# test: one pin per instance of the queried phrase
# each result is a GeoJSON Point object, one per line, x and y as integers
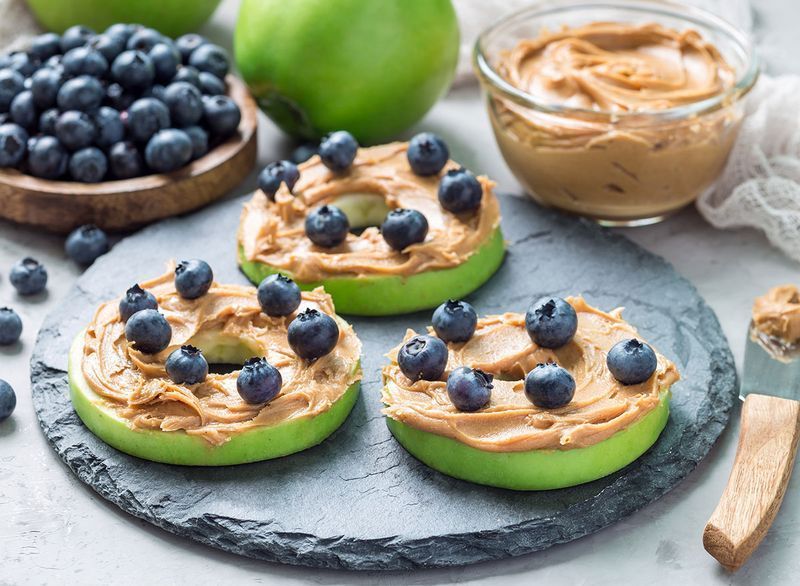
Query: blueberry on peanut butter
{"type": "Point", "coordinates": [271, 177]}
{"type": "Point", "coordinates": [258, 381]}
{"type": "Point", "coordinates": [423, 358]}
{"type": "Point", "coordinates": [313, 334]}
{"type": "Point", "coordinates": [148, 331]}
{"type": "Point", "coordinates": [631, 361]}
{"type": "Point", "coordinates": [193, 278]}
{"type": "Point", "coordinates": [460, 191]}
{"type": "Point", "coordinates": [549, 386]}
{"type": "Point", "coordinates": [427, 154]}
{"type": "Point", "coordinates": [327, 226]}
{"type": "Point", "coordinates": [551, 322]}
{"type": "Point", "coordinates": [469, 389]}
{"type": "Point", "coordinates": [454, 321]}
{"type": "Point", "coordinates": [338, 150]}
{"type": "Point", "coordinates": [136, 299]}
{"type": "Point", "coordinates": [187, 365]}
{"type": "Point", "coordinates": [278, 296]}
{"type": "Point", "coordinates": [404, 227]}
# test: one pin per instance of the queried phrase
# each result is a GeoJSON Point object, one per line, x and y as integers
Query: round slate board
{"type": "Point", "coordinates": [358, 500]}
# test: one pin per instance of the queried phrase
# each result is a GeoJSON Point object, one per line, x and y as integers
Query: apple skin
{"type": "Point", "coordinates": [371, 67]}
{"type": "Point", "coordinates": [393, 295]}
{"type": "Point", "coordinates": [535, 469]}
{"type": "Point", "coordinates": [177, 447]}
{"type": "Point", "coordinates": [171, 17]}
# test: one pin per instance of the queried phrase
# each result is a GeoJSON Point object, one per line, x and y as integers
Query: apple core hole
{"type": "Point", "coordinates": [224, 353]}
{"type": "Point", "coordinates": [363, 210]}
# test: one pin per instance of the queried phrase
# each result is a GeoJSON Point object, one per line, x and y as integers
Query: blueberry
{"type": "Point", "coordinates": [148, 331]}
{"type": "Point", "coordinates": [8, 400]}
{"type": "Point", "coordinates": [88, 165]}
{"type": "Point", "coordinates": [22, 62]}
{"type": "Point", "coordinates": [403, 227]}
{"type": "Point", "coordinates": [271, 177]}
{"type": "Point", "coordinates": [117, 97]}
{"type": "Point", "coordinates": [166, 60]}
{"type": "Point", "coordinates": [146, 116]}
{"type": "Point", "coordinates": [312, 334]}
{"type": "Point", "coordinates": [82, 93]}
{"type": "Point", "coordinates": [631, 362]}
{"type": "Point", "coordinates": [28, 276]}
{"type": "Point", "coordinates": [84, 61]}
{"type": "Point", "coordinates": [258, 381]}
{"type": "Point", "coordinates": [47, 121]}
{"type": "Point", "coordinates": [110, 129]}
{"type": "Point", "coordinates": [186, 44]}
{"type": "Point", "coordinates": [11, 83]}
{"type": "Point", "coordinates": [108, 46]}
{"type": "Point", "coordinates": [551, 322]}
{"type": "Point", "coordinates": [45, 84]}
{"type": "Point", "coordinates": [210, 58]}
{"type": "Point", "coordinates": [221, 115]}
{"type": "Point", "coordinates": [10, 326]}
{"type": "Point", "coordinates": [469, 389]}
{"type": "Point", "coordinates": [187, 366]}
{"type": "Point", "coordinates": [338, 150]}
{"type": "Point", "coordinates": [85, 244]}
{"type": "Point", "coordinates": [136, 299]}
{"type": "Point", "coordinates": [122, 31]}
{"type": "Point", "coordinates": [427, 154]}
{"type": "Point", "coordinates": [145, 39]}
{"type": "Point", "coordinates": [460, 191]}
{"type": "Point", "coordinates": [211, 85]}
{"type": "Point", "coordinates": [44, 46]}
{"type": "Point", "coordinates": [54, 62]}
{"type": "Point", "coordinates": [327, 226]}
{"type": "Point", "coordinates": [13, 144]}
{"type": "Point", "coordinates": [185, 103]}
{"type": "Point", "coordinates": [125, 160]}
{"type": "Point", "coordinates": [278, 296]}
{"type": "Point", "coordinates": [75, 36]}
{"type": "Point", "coordinates": [47, 158]}
{"type": "Point", "coordinates": [423, 357]}
{"type": "Point", "coordinates": [193, 278]}
{"type": "Point", "coordinates": [133, 70]}
{"type": "Point", "coordinates": [199, 138]}
{"type": "Point", "coordinates": [154, 91]}
{"type": "Point", "coordinates": [303, 153]}
{"type": "Point", "coordinates": [168, 150]}
{"type": "Point", "coordinates": [75, 129]}
{"type": "Point", "coordinates": [23, 110]}
{"type": "Point", "coordinates": [455, 321]}
{"type": "Point", "coordinates": [549, 386]}
{"type": "Point", "coordinates": [189, 75]}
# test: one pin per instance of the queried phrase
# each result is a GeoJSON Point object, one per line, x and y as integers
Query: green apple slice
{"type": "Point", "coordinates": [178, 447]}
{"type": "Point", "coordinates": [534, 469]}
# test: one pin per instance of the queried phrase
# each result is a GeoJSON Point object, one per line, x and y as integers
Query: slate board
{"type": "Point", "coordinates": [358, 500]}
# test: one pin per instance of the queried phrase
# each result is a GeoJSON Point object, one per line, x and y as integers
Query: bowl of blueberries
{"type": "Point", "coordinates": [119, 128]}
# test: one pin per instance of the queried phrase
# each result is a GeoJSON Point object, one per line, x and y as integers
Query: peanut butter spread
{"type": "Point", "coordinates": [501, 346]}
{"type": "Point", "coordinates": [136, 387]}
{"type": "Point", "coordinates": [777, 314]}
{"type": "Point", "coordinates": [273, 233]}
{"type": "Point", "coordinates": [632, 163]}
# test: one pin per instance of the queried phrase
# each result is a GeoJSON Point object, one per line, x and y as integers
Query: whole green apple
{"type": "Point", "coordinates": [372, 67]}
{"type": "Point", "coordinates": [171, 17]}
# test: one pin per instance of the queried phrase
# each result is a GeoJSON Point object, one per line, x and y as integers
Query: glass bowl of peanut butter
{"type": "Point", "coordinates": [624, 112]}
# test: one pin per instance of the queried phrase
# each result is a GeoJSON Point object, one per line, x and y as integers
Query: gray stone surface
{"type": "Point", "coordinates": [359, 501]}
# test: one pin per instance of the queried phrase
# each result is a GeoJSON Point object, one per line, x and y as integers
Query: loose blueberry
{"type": "Point", "coordinates": [28, 276]}
{"type": "Point", "coordinates": [146, 116]}
{"type": "Point", "coordinates": [187, 366]}
{"type": "Point", "coordinates": [110, 128]}
{"type": "Point", "coordinates": [258, 381]}
{"type": "Point", "coordinates": [145, 39]}
{"type": "Point", "coordinates": [75, 130]}
{"type": "Point", "coordinates": [23, 110]}
{"type": "Point", "coordinates": [8, 400]}
{"type": "Point", "coordinates": [469, 389]}
{"type": "Point", "coordinates": [122, 31]}
{"type": "Point", "coordinates": [168, 150]}
{"type": "Point", "coordinates": [125, 160]}
{"type": "Point", "coordinates": [210, 58]}
{"type": "Point", "coordinates": [271, 177]}
{"type": "Point", "coordinates": [10, 326]}
{"type": "Point", "coordinates": [185, 103]}
{"type": "Point", "coordinates": [551, 322]}
{"type": "Point", "coordinates": [88, 165]}
{"type": "Point", "coordinates": [136, 299]}
{"type": "Point", "coordinates": [133, 70]}
{"type": "Point", "coordinates": [455, 321]}
{"type": "Point", "coordinates": [278, 296]}
{"type": "Point", "coordinates": [460, 191]}
{"type": "Point", "coordinates": [199, 138]}
{"type": "Point", "coordinates": [427, 154]}
{"type": "Point", "coordinates": [166, 59]}
{"type": "Point", "coordinates": [13, 144]}
{"type": "Point", "coordinates": [313, 334]}
{"type": "Point", "coordinates": [108, 46]}
{"type": "Point", "coordinates": [303, 153]}
{"type": "Point", "coordinates": [75, 36]}
{"type": "Point", "coordinates": [84, 61]}
{"type": "Point", "coordinates": [47, 158]}
{"type": "Point", "coordinates": [193, 278]}
{"type": "Point", "coordinates": [148, 331]}
{"type": "Point", "coordinates": [45, 84]}
{"type": "Point", "coordinates": [338, 150]}
{"type": "Point", "coordinates": [85, 244]}
{"type": "Point", "coordinates": [327, 226]}
{"type": "Point", "coordinates": [21, 62]}
{"type": "Point", "coordinates": [118, 97]}
{"type": "Point", "coordinates": [211, 85]}
{"type": "Point", "coordinates": [403, 227]}
{"type": "Point", "coordinates": [549, 386]}
{"type": "Point", "coordinates": [11, 83]}
{"type": "Point", "coordinates": [186, 44]}
{"type": "Point", "coordinates": [423, 357]}
{"type": "Point", "coordinates": [82, 93]}
{"type": "Point", "coordinates": [47, 121]}
{"type": "Point", "coordinates": [44, 46]}
{"type": "Point", "coordinates": [189, 75]}
{"type": "Point", "coordinates": [221, 115]}
{"type": "Point", "coordinates": [631, 362]}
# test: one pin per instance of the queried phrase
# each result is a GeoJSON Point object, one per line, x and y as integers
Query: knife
{"type": "Point", "coordinates": [770, 428]}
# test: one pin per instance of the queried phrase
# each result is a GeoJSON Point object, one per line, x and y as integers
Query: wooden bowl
{"type": "Point", "coordinates": [61, 206]}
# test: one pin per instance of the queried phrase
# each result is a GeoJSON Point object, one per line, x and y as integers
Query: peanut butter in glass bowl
{"type": "Point", "coordinates": [623, 112]}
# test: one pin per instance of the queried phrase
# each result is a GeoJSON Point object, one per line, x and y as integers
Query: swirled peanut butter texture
{"type": "Point", "coordinates": [501, 346]}
{"type": "Point", "coordinates": [136, 387]}
{"type": "Point", "coordinates": [273, 233]}
{"type": "Point", "coordinates": [777, 314]}
{"type": "Point", "coordinates": [629, 165]}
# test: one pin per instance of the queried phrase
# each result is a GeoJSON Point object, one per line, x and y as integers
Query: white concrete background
{"type": "Point", "coordinates": [54, 530]}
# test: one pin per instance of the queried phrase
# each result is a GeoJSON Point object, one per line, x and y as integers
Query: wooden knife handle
{"type": "Point", "coordinates": [761, 470]}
